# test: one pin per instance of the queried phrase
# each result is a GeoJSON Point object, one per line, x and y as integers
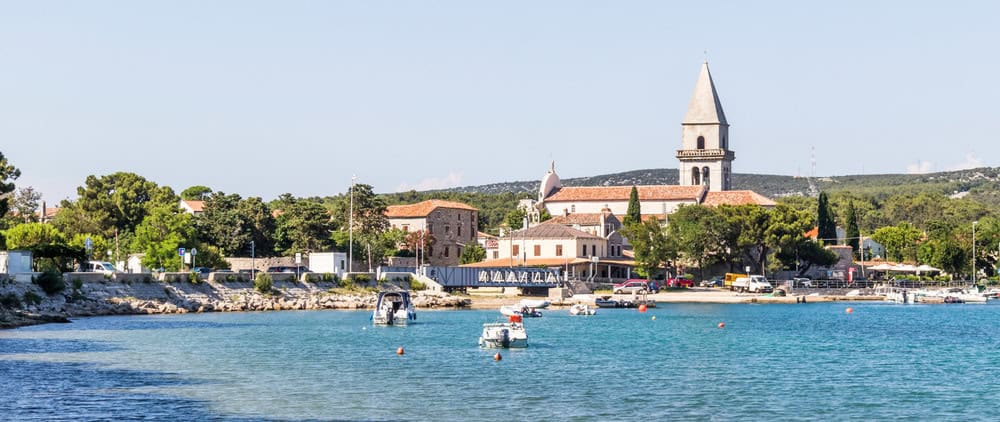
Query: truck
{"type": "Point", "coordinates": [753, 284]}
{"type": "Point", "coordinates": [730, 278]}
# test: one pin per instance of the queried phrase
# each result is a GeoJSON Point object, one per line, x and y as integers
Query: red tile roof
{"type": "Point", "coordinates": [552, 231]}
{"type": "Point", "coordinates": [196, 206]}
{"type": "Point", "coordinates": [423, 209]}
{"type": "Point", "coordinates": [583, 219]}
{"type": "Point", "coordinates": [737, 197]}
{"type": "Point", "coordinates": [621, 193]}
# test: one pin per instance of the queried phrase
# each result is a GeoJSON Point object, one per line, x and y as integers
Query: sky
{"type": "Point", "coordinates": [262, 98]}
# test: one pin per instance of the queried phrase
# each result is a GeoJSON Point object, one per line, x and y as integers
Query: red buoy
{"type": "Point", "coordinates": [849, 310]}
{"type": "Point", "coordinates": [399, 351]}
{"type": "Point", "coordinates": [722, 325]}
{"type": "Point", "coordinates": [497, 356]}
{"type": "Point", "coordinates": [642, 308]}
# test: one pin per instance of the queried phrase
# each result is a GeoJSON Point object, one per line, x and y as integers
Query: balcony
{"type": "Point", "coordinates": [705, 154]}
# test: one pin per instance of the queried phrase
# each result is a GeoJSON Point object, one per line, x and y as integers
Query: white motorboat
{"type": "Point", "coordinates": [581, 309]}
{"type": "Point", "coordinates": [960, 295]}
{"type": "Point", "coordinates": [896, 295]}
{"type": "Point", "coordinates": [393, 308]}
{"type": "Point", "coordinates": [522, 311]}
{"type": "Point", "coordinates": [505, 335]}
{"type": "Point", "coordinates": [535, 303]}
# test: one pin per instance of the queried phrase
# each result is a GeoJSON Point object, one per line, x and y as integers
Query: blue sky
{"type": "Point", "coordinates": [261, 98]}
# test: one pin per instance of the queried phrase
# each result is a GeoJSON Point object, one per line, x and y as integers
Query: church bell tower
{"type": "Point", "coordinates": [705, 158]}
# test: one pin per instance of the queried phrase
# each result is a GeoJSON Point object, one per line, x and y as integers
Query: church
{"type": "Point", "coordinates": [705, 170]}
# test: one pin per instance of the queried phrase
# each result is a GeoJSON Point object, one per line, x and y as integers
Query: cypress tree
{"type": "Point", "coordinates": [853, 232]}
{"type": "Point", "coordinates": [824, 221]}
{"type": "Point", "coordinates": [634, 213]}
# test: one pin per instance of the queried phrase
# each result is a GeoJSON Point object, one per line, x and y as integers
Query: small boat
{"type": "Point", "coordinates": [505, 335]}
{"type": "Point", "coordinates": [581, 309]}
{"type": "Point", "coordinates": [607, 302]}
{"type": "Point", "coordinates": [522, 311]}
{"type": "Point", "coordinates": [393, 308]}
{"type": "Point", "coordinates": [535, 303]}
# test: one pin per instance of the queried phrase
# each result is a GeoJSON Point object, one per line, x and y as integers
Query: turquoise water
{"type": "Point", "coordinates": [811, 361]}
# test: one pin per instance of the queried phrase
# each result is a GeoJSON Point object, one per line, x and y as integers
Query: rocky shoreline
{"type": "Point", "coordinates": [24, 303]}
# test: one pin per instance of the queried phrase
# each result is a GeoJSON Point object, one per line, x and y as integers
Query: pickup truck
{"type": "Point", "coordinates": [753, 284]}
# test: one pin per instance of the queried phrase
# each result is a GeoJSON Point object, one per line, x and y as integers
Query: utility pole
{"type": "Point", "coordinates": [974, 252]}
{"type": "Point", "coordinates": [350, 231]}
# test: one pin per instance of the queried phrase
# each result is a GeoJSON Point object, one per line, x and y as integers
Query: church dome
{"type": "Point", "coordinates": [550, 182]}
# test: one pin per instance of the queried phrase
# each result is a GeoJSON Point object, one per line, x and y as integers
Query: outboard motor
{"type": "Point", "coordinates": [505, 338]}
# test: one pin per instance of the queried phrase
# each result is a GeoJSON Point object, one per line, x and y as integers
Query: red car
{"type": "Point", "coordinates": [680, 282]}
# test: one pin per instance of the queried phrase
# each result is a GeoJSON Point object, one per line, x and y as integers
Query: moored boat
{"type": "Point", "coordinates": [510, 334]}
{"type": "Point", "coordinates": [523, 311]}
{"type": "Point", "coordinates": [394, 308]}
{"type": "Point", "coordinates": [606, 302]}
{"type": "Point", "coordinates": [581, 309]}
{"type": "Point", "coordinates": [535, 303]}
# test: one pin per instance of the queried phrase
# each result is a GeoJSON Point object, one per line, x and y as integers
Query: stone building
{"type": "Point", "coordinates": [452, 225]}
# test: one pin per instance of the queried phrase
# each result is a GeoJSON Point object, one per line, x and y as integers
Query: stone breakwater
{"type": "Point", "coordinates": [25, 303]}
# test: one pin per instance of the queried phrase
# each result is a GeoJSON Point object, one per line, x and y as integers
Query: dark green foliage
{"type": "Point", "coordinates": [634, 212]}
{"type": "Point", "coordinates": [51, 282]}
{"type": "Point", "coordinates": [10, 301]}
{"type": "Point", "coordinates": [472, 253]}
{"type": "Point", "coordinates": [651, 246]}
{"type": "Point", "coordinates": [115, 203]}
{"type": "Point", "coordinates": [30, 298]}
{"type": "Point", "coordinates": [825, 221]}
{"type": "Point", "coordinates": [8, 174]}
{"type": "Point", "coordinates": [230, 222]}
{"type": "Point", "coordinates": [196, 193]}
{"type": "Point", "coordinates": [515, 219]}
{"type": "Point", "coordinates": [77, 284]}
{"type": "Point", "coordinates": [263, 282]}
{"type": "Point", "coordinates": [852, 232]}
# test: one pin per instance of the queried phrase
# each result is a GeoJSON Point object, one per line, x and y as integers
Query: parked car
{"type": "Point", "coordinates": [288, 269]}
{"type": "Point", "coordinates": [632, 286]}
{"type": "Point", "coordinates": [103, 267]}
{"type": "Point", "coordinates": [802, 282]}
{"type": "Point", "coordinates": [680, 282]}
{"type": "Point", "coordinates": [201, 270]}
{"type": "Point", "coordinates": [717, 281]}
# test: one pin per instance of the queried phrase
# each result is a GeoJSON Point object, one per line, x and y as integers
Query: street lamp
{"type": "Point", "coordinates": [974, 252]}
{"type": "Point", "coordinates": [350, 231]}
{"type": "Point", "coordinates": [253, 267]}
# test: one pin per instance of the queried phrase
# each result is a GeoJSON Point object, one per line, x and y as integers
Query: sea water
{"type": "Point", "coordinates": [769, 362]}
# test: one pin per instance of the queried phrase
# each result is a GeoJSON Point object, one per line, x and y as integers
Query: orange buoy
{"type": "Point", "coordinates": [642, 308]}
{"type": "Point", "coordinates": [722, 325]}
{"type": "Point", "coordinates": [497, 356]}
{"type": "Point", "coordinates": [399, 351]}
{"type": "Point", "coordinates": [849, 310]}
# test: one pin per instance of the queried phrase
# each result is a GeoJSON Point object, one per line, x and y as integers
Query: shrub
{"type": "Point", "coordinates": [263, 283]}
{"type": "Point", "coordinates": [51, 282]}
{"type": "Point", "coordinates": [31, 298]}
{"type": "Point", "coordinates": [329, 277]}
{"type": "Point", "coordinates": [147, 279]}
{"type": "Point", "coordinates": [347, 283]}
{"type": "Point", "coordinates": [230, 277]}
{"type": "Point", "coordinates": [10, 300]}
{"type": "Point", "coordinates": [77, 284]}
{"type": "Point", "coordinates": [194, 277]}
{"type": "Point", "coordinates": [417, 285]}
{"type": "Point", "coordinates": [360, 278]}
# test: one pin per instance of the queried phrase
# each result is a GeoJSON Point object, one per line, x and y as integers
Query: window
{"type": "Point", "coordinates": [724, 145]}
{"type": "Point", "coordinates": [701, 142]}
{"type": "Point", "coordinates": [447, 229]}
{"type": "Point", "coordinates": [430, 228]}
{"type": "Point", "coordinates": [517, 250]}
{"type": "Point", "coordinates": [572, 208]}
{"type": "Point", "coordinates": [459, 230]}
{"type": "Point", "coordinates": [496, 255]}
{"type": "Point", "coordinates": [446, 250]}
{"type": "Point", "coordinates": [538, 250]}
{"type": "Point", "coordinates": [695, 177]}
{"type": "Point", "coordinates": [406, 228]}
{"type": "Point", "coordinates": [704, 175]}
{"type": "Point", "coordinates": [593, 250]}
{"type": "Point", "coordinates": [558, 250]}
{"type": "Point", "coordinates": [584, 253]}
{"type": "Point", "coordinates": [458, 251]}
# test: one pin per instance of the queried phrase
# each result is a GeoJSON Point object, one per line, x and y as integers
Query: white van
{"type": "Point", "coordinates": [99, 267]}
{"type": "Point", "coordinates": [754, 284]}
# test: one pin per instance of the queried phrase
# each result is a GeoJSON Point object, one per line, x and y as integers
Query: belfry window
{"type": "Point", "coordinates": [695, 177]}
{"type": "Point", "coordinates": [704, 176]}
{"type": "Point", "coordinates": [701, 142]}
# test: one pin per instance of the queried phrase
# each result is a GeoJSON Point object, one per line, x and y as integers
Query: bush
{"type": "Point", "coordinates": [417, 285]}
{"type": "Point", "coordinates": [263, 283]}
{"type": "Point", "coordinates": [360, 278]}
{"type": "Point", "coordinates": [31, 298]}
{"type": "Point", "coordinates": [230, 277]}
{"type": "Point", "coordinates": [51, 282]}
{"type": "Point", "coordinates": [77, 284]}
{"type": "Point", "coordinates": [347, 283]}
{"type": "Point", "coordinates": [194, 277]}
{"type": "Point", "coordinates": [10, 300]}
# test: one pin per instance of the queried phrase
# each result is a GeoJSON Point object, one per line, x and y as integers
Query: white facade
{"type": "Point", "coordinates": [535, 248]}
{"type": "Point", "coordinates": [328, 263]}
{"type": "Point", "coordinates": [619, 207]}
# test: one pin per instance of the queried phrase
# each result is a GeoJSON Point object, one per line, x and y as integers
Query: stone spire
{"type": "Point", "coordinates": [705, 106]}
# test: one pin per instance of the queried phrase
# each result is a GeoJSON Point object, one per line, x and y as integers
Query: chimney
{"type": "Point", "coordinates": [42, 219]}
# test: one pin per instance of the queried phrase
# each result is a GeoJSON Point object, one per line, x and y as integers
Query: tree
{"type": "Point", "coordinates": [305, 226]}
{"type": "Point", "coordinates": [419, 241]}
{"type": "Point", "coordinates": [785, 237]}
{"type": "Point", "coordinates": [120, 201]}
{"type": "Point", "coordinates": [900, 241]}
{"type": "Point", "coordinates": [30, 235]}
{"type": "Point", "coordinates": [853, 233]}
{"type": "Point", "coordinates": [159, 235]}
{"type": "Point", "coordinates": [231, 223]}
{"type": "Point", "coordinates": [651, 246]}
{"type": "Point", "coordinates": [26, 202]}
{"type": "Point", "coordinates": [472, 253]}
{"type": "Point", "coordinates": [825, 222]}
{"type": "Point", "coordinates": [746, 233]}
{"type": "Point", "coordinates": [634, 212]}
{"type": "Point", "coordinates": [8, 174]}
{"type": "Point", "coordinates": [99, 246]}
{"type": "Point", "coordinates": [369, 217]}
{"type": "Point", "coordinates": [196, 193]}
{"type": "Point", "coordinates": [697, 232]}
{"type": "Point", "coordinates": [515, 219]}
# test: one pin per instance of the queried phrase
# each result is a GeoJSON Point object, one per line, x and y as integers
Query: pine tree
{"type": "Point", "coordinates": [853, 232]}
{"type": "Point", "coordinates": [824, 221]}
{"type": "Point", "coordinates": [634, 213]}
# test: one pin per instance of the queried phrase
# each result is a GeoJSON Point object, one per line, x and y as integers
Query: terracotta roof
{"type": "Point", "coordinates": [195, 206]}
{"type": "Point", "coordinates": [50, 212]}
{"type": "Point", "coordinates": [482, 235]}
{"type": "Point", "coordinates": [423, 209]}
{"type": "Point", "coordinates": [552, 231]}
{"type": "Point", "coordinates": [812, 234]}
{"type": "Point", "coordinates": [621, 193]}
{"type": "Point", "coordinates": [737, 197]}
{"type": "Point", "coordinates": [583, 219]}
